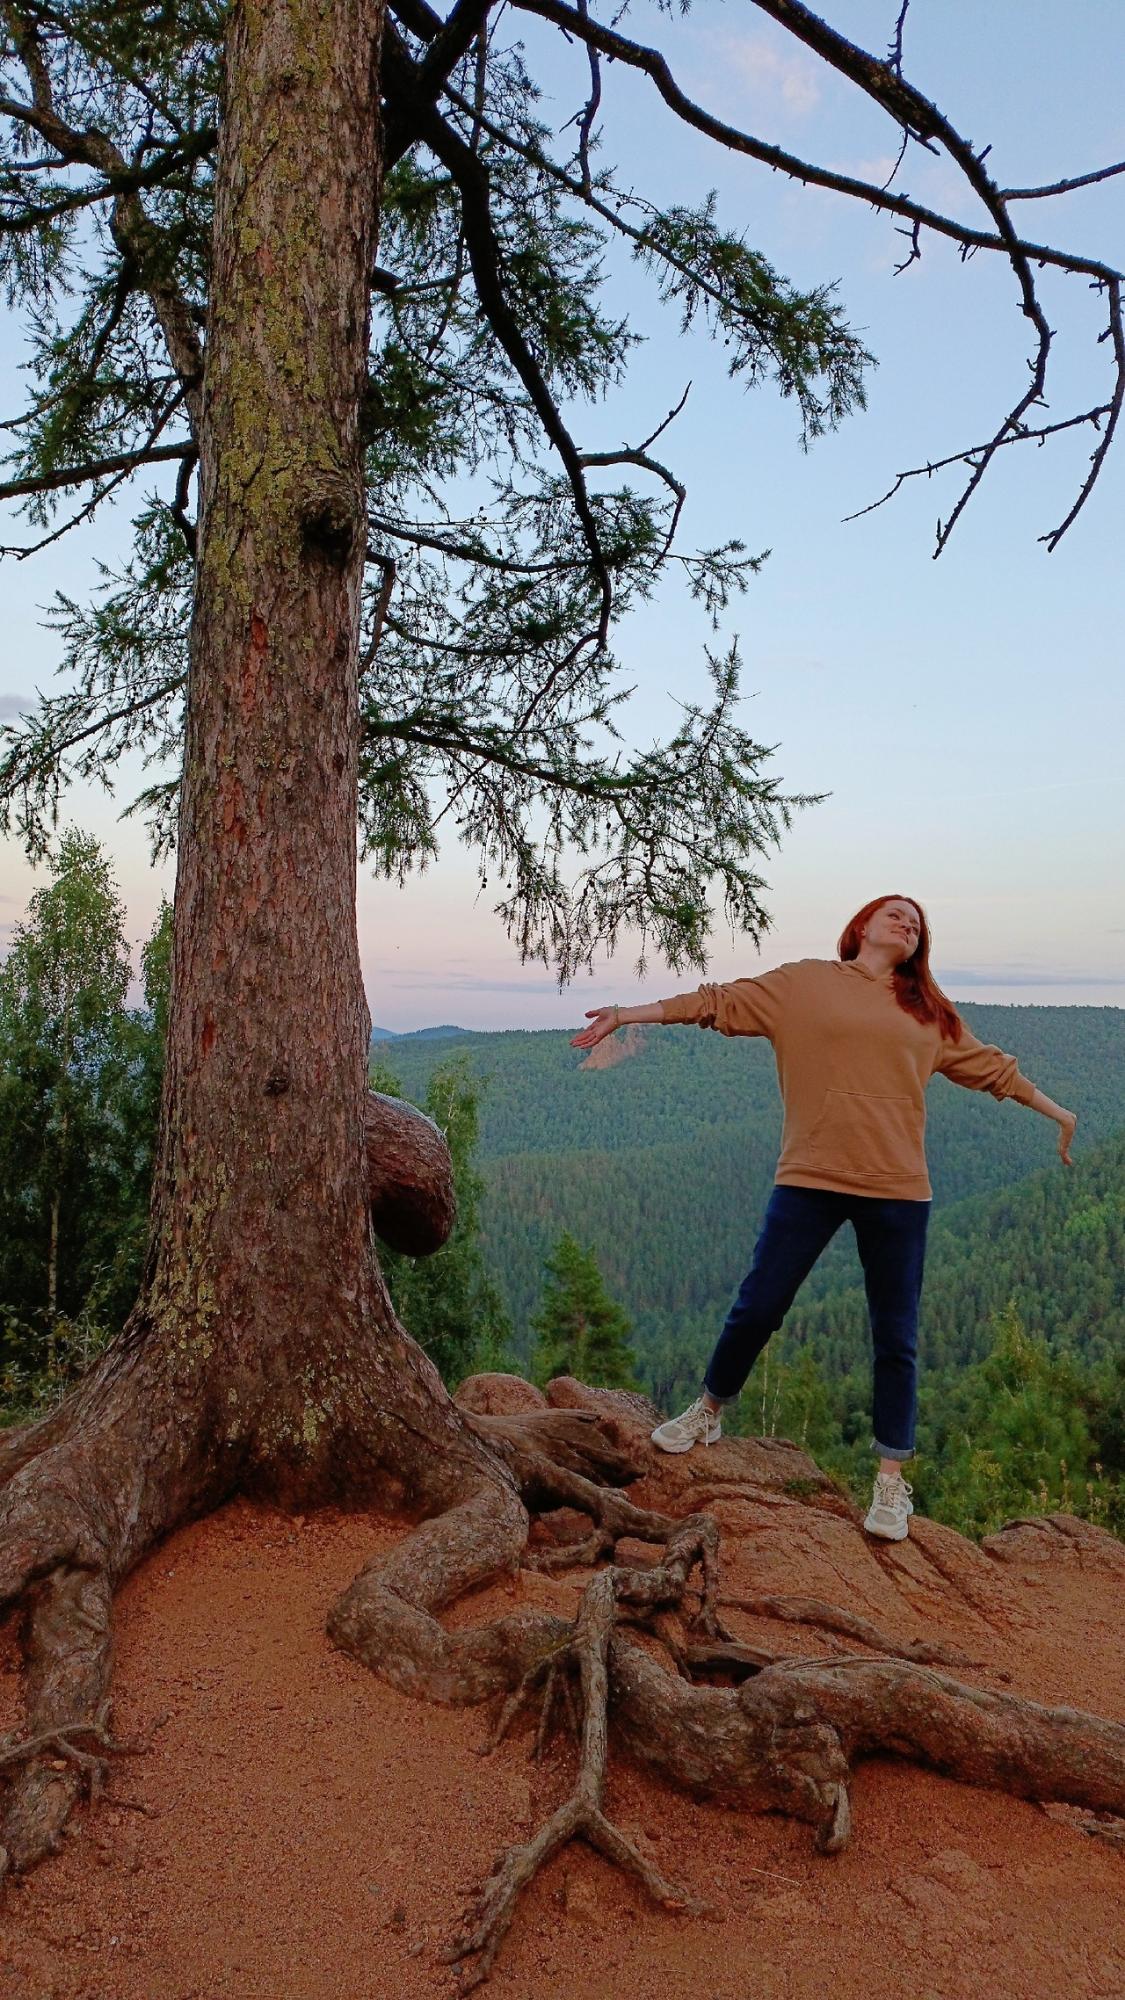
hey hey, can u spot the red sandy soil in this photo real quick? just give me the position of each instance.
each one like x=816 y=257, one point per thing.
x=305 y=1833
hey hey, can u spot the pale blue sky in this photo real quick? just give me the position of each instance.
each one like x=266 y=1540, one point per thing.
x=966 y=716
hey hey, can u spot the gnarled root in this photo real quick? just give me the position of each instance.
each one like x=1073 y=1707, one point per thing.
x=388 y=1617
x=783 y=1740
x=999 y=1741
x=106 y=1483
x=833 y=1618
x=561 y=1458
x=582 y=1816
x=189 y=1404
x=69 y=1656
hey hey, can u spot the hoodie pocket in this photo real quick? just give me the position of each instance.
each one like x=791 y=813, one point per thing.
x=862 y=1138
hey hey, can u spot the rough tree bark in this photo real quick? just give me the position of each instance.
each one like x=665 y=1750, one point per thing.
x=263 y=1355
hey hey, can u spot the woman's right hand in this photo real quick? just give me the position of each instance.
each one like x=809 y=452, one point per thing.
x=603 y=1021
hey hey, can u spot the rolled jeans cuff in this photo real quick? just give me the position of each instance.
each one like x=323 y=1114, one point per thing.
x=724 y=1400
x=892 y=1450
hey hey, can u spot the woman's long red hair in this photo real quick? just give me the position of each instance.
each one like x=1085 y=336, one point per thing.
x=916 y=989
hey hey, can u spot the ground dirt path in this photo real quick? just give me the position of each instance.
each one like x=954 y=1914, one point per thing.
x=307 y=1834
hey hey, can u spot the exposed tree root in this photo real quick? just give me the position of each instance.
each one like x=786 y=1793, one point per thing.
x=542 y=1444
x=61 y=1742
x=581 y=1816
x=1108 y=1826
x=168 y=1425
x=61 y=1752
x=122 y=1469
x=834 y=1618
x=783 y=1740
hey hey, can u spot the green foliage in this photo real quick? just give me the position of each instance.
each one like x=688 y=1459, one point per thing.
x=449 y=1302
x=1011 y=1437
x=580 y=1330
x=156 y=973
x=663 y=1165
x=1022 y=1431
x=36 y=1370
x=493 y=669
x=79 y=1097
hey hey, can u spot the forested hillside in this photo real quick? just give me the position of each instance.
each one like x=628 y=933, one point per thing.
x=540 y=1099
x=663 y=1164
x=1052 y=1247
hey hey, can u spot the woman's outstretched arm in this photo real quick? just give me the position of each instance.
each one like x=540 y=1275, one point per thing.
x=603 y=1021
x=738 y=1007
x=977 y=1066
x=1065 y=1120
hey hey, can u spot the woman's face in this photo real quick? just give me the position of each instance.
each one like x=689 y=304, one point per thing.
x=896 y=926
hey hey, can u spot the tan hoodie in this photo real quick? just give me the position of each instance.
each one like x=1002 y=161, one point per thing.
x=853 y=1070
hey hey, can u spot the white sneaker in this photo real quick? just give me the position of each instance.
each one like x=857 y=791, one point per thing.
x=891 y=1507
x=698 y=1425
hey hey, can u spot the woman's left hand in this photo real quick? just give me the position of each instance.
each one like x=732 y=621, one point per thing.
x=603 y=1021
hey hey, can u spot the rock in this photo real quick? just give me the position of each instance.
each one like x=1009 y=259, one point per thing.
x=497 y=1395
x=628 y=1041
x=1056 y=1538
x=627 y=1405
x=625 y=1417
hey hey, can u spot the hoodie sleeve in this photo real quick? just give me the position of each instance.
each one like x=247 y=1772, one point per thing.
x=742 y=1007
x=978 y=1066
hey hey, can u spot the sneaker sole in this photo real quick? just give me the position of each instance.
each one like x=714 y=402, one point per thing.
x=661 y=1445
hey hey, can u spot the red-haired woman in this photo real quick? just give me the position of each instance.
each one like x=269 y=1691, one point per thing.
x=856 y=1040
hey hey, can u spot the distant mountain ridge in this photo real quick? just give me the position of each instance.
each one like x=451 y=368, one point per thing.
x=443 y=1034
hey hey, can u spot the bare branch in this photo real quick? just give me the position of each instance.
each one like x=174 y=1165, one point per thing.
x=640 y=457
x=179 y=505
x=449 y=41
x=1063 y=187
x=1117 y=335
x=650 y=60
x=382 y=606
x=591 y=107
x=972 y=452
x=453 y=40
x=470 y=552
x=894 y=53
x=883 y=81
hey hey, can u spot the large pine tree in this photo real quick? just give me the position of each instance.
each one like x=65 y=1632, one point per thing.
x=200 y=209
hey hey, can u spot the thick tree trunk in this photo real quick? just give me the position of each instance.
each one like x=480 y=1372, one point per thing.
x=263 y=1353
x=262 y=1164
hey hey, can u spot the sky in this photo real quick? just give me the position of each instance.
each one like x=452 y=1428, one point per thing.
x=965 y=717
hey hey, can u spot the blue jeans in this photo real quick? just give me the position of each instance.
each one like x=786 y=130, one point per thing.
x=891 y=1239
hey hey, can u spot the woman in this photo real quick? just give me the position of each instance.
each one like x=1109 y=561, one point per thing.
x=856 y=1040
